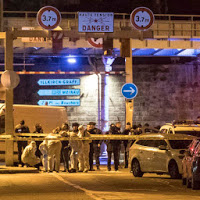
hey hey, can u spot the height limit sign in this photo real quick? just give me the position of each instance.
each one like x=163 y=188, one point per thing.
x=48 y=17
x=142 y=18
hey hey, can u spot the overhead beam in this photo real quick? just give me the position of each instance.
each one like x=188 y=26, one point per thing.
x=125 y=34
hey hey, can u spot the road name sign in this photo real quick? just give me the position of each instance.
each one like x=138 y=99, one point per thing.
x=95 y=22
x=48 y=17
x=129 y=90
x=142 y=18
x=44 y=82
x=66 y=102
x=59 y=92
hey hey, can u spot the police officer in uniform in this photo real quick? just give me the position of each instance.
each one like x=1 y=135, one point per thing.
x=113 y=146
x=21 y=128
x=127 y=131
x=65 y=146
x=95 y=146
x=38 y=129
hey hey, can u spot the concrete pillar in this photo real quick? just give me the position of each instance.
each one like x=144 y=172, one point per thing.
x=129 y=79
x=9 y=121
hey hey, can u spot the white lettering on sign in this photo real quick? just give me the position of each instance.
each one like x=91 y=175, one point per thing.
x=59 y=92
x=95 y=22
x=59 y=82
x=68 y=102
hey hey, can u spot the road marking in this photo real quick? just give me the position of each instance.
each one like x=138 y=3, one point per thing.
x=151 y=190
x=88 y=192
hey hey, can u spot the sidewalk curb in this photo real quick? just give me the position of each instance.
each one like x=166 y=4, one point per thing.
x=17 y=170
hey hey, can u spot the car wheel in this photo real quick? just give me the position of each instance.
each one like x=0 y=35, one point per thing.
x=173 y=170
x=195 y=185
x=184 y=181
x=136 y=169
x=188 y=183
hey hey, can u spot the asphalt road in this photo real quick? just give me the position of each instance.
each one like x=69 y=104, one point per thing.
x=98 y=185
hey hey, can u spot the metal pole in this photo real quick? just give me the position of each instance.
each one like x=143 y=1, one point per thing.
x=129 y=79
x=9 y=121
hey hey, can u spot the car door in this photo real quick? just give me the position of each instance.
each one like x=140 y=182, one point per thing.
x=160 y=157
x=147 y=155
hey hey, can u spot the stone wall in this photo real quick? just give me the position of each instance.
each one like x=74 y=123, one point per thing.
x=166 y=92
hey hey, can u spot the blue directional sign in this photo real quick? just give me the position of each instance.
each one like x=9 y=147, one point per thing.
x=66 y=102
x=129 y=90
x=44 y=82
x=59 y=92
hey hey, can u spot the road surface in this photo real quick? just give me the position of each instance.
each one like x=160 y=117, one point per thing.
x=97 y=185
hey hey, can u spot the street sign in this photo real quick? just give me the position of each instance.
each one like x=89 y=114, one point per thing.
x=66 y=102
x=95 y=22
x=10 y=79
x=142 y=18
x=59 y=92
x=129 y=90
x=96 y=43
x=45 y=82
x=48 y=17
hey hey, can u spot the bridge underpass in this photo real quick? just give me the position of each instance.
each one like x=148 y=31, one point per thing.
x=171 y=36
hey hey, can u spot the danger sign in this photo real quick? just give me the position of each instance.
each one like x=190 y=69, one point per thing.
x=95 y=22
x=142 y=18
x=48 y=17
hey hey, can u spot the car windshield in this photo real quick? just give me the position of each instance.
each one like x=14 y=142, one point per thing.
x=179 y=144
x=194 y=133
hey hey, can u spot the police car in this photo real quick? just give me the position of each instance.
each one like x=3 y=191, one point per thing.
x=158 y=153
x=187 y=127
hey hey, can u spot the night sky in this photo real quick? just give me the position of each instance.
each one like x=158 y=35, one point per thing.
x=117 y=6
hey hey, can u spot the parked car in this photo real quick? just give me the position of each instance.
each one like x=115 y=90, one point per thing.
x=191 y=165
x=158 y=153
x=187 y=127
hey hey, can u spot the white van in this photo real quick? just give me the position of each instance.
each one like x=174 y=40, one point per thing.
x=49 y=117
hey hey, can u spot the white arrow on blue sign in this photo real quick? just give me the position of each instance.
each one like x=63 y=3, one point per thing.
x=129 y=90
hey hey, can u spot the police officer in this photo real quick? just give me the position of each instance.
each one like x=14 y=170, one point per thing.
x=38 y=129
x=113 y=146
x=95 y=146
x=21 y=128
x=75 y=148
x=65 y=146
x=127 y=131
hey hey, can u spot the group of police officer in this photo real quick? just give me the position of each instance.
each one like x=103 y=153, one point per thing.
x=79 y=152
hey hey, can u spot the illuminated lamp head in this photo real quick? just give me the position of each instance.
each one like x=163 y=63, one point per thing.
x=71 y=60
